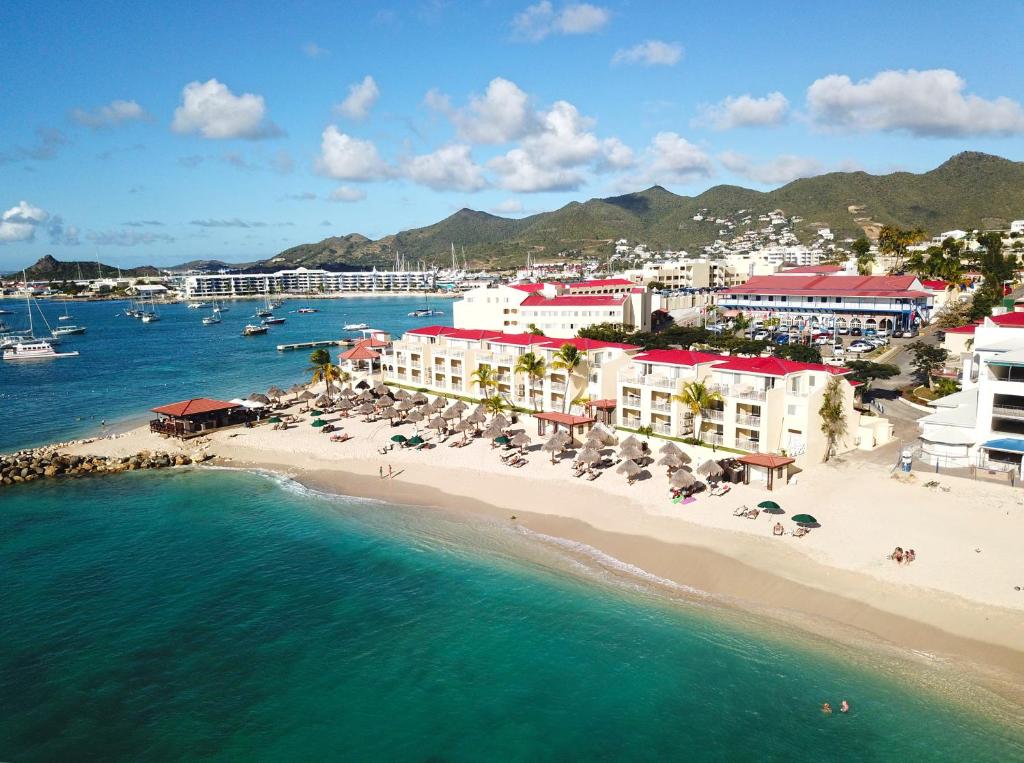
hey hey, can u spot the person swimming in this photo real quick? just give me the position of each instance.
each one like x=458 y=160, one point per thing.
x=844 y=707
x=826 y=709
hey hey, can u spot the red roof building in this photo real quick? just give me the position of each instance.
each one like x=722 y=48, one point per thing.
x=588 y=345
x=194 y=407
x=686 y=358
x=589 y=300
x=774 y=367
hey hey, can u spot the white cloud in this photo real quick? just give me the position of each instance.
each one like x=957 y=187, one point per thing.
x=670 y=158
x=518 y=171
x=450 y=168
x=500 y=115
x=744 y=111
x=508 y=207
x=778 y=171
x=213 y=111
x=313 y=50
x=541 y=20
x=361 y=98
x=346 y=158
x=617 y=155
x=928 y=103
x=563 y=138
x=127 y=238
x=347 y=194
x=650 y=53
x=111 y=115
x=19 y=223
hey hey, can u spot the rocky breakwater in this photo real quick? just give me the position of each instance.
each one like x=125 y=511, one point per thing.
x=40 y=463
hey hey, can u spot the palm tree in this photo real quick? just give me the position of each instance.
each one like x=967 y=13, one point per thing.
x=534 y=367
x=495 y=405
x=894 y=242
x=568 y=359
x=833 y=416
x=581 y=401
x=740 y=324
x=323 y=370
x=485 y=378
x=697 y=397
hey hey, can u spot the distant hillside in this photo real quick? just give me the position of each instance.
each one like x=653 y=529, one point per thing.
x=971 y=190
x=210 y=266
x=49 y=268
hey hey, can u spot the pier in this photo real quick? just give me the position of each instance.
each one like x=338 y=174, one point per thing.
x=312 y=345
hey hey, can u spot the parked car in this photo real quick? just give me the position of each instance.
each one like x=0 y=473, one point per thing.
x=761 y=334
x=837 y=350
x=822 y=340
x=884 y=332
x=870 y=332
x=855 y=331
x=909 y=333
x=844 y=330
x=861 y=346
x=782 y=339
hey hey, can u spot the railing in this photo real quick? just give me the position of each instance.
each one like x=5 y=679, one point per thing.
x=748 y=394
x=997 y=466
x=558 y=386
x=748 y=421
x=627 y=377
x=448 y=352
x=631 y=423
x=504 y=378
x=713 y=414
x=710 y=438
x=631 y=402
x=1012 y=411
x=663 y=407
x=745 y=443
x=662 y=428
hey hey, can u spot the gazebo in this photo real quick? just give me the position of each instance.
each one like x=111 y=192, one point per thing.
x=601 y=409
x=766 y=468
x=194 y=417
x=361 y=357
x=572 y=424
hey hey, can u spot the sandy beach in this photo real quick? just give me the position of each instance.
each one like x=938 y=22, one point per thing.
x=956 y=604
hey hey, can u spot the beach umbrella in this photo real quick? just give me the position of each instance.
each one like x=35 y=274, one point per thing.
x=323 y=401
x=503 y=439
x=631 y=440
x=441 y=400
x=363 y=384
x=588 y=456
x=415 y=440
x=450 y=414
x=521 y=440
x=348 y=392
x=460 y=406
x=710 y=469
x=671 y=460
x=398 y=438
x=670 y=448
x=499 y=420
x=363 y=410
x=256 y=397
x=492 y=432
x=419 y=398
x=390 y=412
x=682 y=479
x=318 y=423
x=630 y=468
x=345 y=405
x=380 y=389
x=274 y=420
x=295 y=389
x=385 y=400
x=404 y=405
x=275 y=392
x=553 y=446
x=307 y=395
x=804 y=519
x=415 y=416
x=365 y=397
x=401 y=395
x=315 y=412
x=477 y=417
x=770 y=507
x=630 y=452
x=437 y=423
x=464 y=426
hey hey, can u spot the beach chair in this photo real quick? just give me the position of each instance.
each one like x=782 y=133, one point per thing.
x=341 y=437
x=752 y=513
x=740 y=511
x=593 y=475
x=800 y=532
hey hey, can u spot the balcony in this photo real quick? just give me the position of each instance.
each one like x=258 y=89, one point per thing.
x=1008 y=411
x=712 y=438
x=557 y=387
x=504 y=378
x=631 y=402
x=752 y=422
x=662 y=407
x=713 y=414
x=665 y=429
x=630 y=423
x=446 y=352
x=745 y=443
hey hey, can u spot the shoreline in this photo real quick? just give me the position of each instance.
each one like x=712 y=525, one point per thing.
x=913 y=613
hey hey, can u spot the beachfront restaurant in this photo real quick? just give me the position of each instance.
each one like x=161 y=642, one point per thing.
x=199 y=415
x=574 y=425
x=766 y=469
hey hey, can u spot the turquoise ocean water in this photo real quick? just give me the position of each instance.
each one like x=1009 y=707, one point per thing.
x=126 y=366
x=221 y=615
x=224 y=615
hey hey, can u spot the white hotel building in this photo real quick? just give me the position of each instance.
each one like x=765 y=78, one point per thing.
x=306 y=281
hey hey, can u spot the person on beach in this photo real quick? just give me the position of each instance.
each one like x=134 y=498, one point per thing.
x=391 y=474
x=844 y=707
x=911 y=556
x=826 y=709
x=382 y=472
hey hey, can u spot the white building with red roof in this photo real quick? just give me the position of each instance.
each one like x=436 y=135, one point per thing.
x=443 y=360
x=556 y=309
x=806 y=301
x=768 y=405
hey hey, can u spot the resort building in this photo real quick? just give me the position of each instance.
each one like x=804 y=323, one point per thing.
x=556 y=309
x=807 y=301
x=768 y=405
x=443 y=360
x=982 y=426
x=306 y=281
x=687 y=274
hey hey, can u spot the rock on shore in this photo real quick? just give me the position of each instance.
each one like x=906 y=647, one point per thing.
x=43 y=463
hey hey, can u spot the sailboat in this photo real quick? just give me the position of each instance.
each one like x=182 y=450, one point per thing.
x=425 y=311
x=212 y=319
x=67 y=329
x=152 y=315
x=66 y=316
x=29 y=347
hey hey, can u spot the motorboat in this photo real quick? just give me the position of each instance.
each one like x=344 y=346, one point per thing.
x=68 y=330
x=271 y=320
x=197 y=305
x=264 y=314
x=355 y=326
x=211 y=320
x=306 y=310
x=253 y=330
x=37 y=349
x=425 y=312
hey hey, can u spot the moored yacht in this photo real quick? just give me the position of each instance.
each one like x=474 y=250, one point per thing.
x=253 y=330
x=36 y=349
x=68 y=330
x=355 y=326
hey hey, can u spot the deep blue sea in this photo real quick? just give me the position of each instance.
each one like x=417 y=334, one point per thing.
x=222 y=615
x=225 y=615
x=126 y=367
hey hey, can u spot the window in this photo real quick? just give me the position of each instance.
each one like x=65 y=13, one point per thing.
x=791 y=410
x=810 y=381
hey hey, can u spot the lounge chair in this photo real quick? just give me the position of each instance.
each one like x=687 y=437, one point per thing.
x=593 y=475
x=752 y=513
x=341 y=437
x=740 y=511
x=800 y=532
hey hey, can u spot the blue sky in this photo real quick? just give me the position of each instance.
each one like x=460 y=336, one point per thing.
x=140 y=133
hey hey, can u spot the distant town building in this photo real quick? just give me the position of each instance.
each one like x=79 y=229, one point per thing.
x=306 y=281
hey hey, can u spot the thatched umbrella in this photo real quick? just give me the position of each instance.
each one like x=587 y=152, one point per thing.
x=499 y=420
x=258 y=397
x=363 y=384
x=345 y=405
x=554 y=445
x=464 y=427
x=441 y=400
x=365 y=396
x=404 y=405
x=461 y=406
x=385 y=400
x=607 y=434
x=492 y=431
x=477 y=417
x=307 y=395
x=710 y=469
x=275 y=392
x=364 y=409
x=388 y=411
x=682 y=479
x=521 y=440
x=419 y=398
x=415 y=417
x=670 y=448
x=401 y=395
x=630 y=468
x=451 y=413
x=671 y=460
x=631 y=440
x=381 y=389
x=322 y=401
x=630 y=452
x=347 y=392
x=295 y=389
x=437 y=423
x=588 y=456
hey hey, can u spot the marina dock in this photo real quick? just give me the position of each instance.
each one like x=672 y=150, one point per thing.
x=312 y=345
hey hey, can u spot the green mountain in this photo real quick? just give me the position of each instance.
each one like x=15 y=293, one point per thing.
x=971 y=190
x=50 y=269
x=210 y=266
